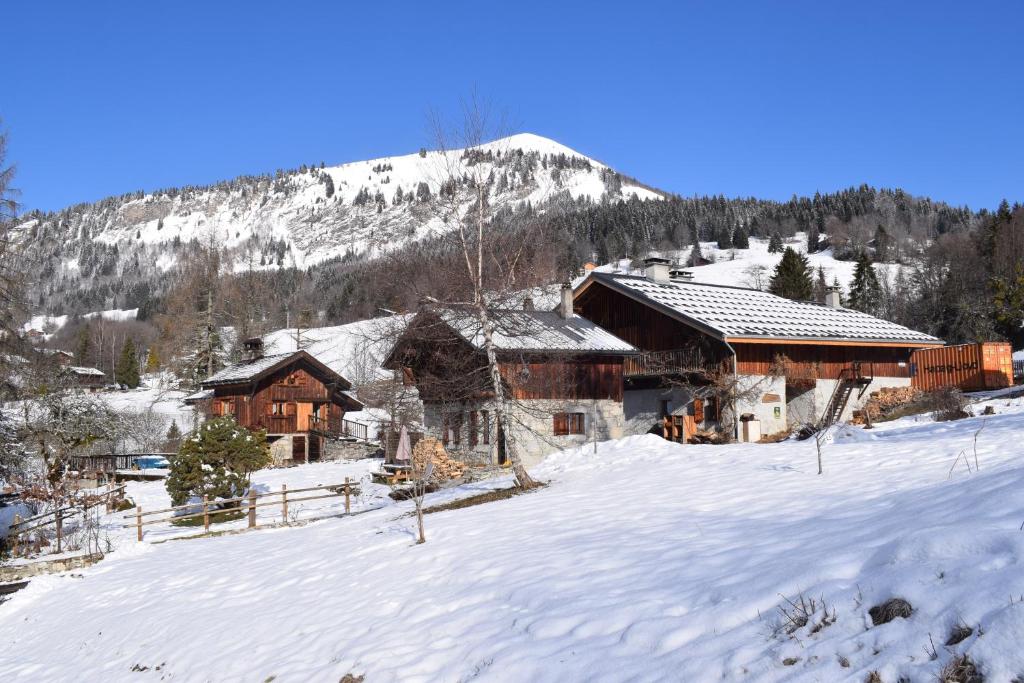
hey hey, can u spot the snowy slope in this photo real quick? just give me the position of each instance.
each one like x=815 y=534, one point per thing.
x=51 y=323
x=753 y=267
x=645 y=561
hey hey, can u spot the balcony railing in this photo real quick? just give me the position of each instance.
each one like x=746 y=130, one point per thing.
x=674 y=361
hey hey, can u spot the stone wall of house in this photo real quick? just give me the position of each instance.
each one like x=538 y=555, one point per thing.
x=824 y=388
x=642 y=408
x=348 y=450
x=281 y=450
x=531 y=428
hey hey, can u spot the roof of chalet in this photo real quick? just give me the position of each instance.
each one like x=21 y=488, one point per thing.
x=540 y=331
x=738 y=313
x=248 y=371
x=85 y=372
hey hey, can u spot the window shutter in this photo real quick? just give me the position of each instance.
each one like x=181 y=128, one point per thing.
x=698 y=410
x=289 y=409
x=561 y=424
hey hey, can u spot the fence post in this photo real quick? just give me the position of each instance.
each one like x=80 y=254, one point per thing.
x=206 y=513
x=17 y=536
x=252 y=508
x=138 y=520
x=284 y=503
x=346 y=496
x=58 y=517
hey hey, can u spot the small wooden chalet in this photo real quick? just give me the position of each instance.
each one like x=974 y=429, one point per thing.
x=298 y=400
x=714 y=355
x=90 y=379
x=561 y=373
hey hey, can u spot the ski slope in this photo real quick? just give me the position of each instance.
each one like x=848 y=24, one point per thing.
x=644 y=561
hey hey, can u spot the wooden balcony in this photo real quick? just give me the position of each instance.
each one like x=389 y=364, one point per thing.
x=671 y=362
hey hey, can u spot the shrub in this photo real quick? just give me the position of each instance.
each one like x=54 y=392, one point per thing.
x=948 y=403
x=217 y=461
x=889 y=610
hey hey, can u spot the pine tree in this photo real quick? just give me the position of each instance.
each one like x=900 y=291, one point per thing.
x=742 y=238
x=83 y=349
x=814 y=235
x=173 y=438
x=217 y=461
x=775 y=245
x=883 y=245
x=724 y=239
x=820 y=286
x=152 y=360
x=1008 y=301
x=696 y=257
x=127 y=369
x=865 y=290
x=792 y=277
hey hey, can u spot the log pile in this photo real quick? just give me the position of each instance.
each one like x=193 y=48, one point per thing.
x=432 y=450
x=884 y=401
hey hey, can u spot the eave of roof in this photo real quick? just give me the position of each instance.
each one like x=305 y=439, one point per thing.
x=286 y=360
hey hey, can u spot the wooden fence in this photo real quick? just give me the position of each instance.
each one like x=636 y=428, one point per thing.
x=1018 y=369
x=57 y=517
x=246 y=504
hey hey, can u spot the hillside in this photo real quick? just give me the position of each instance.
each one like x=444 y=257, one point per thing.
x=643 y=561
x=113 y=249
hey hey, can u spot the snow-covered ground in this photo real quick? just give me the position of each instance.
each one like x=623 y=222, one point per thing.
x=644 y=561
x=51 y=323
x=753 y=267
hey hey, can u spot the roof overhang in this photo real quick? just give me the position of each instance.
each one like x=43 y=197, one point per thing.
x=833 y=341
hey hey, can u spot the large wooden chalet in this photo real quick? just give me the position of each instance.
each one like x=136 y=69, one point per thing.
x=298 y=400
x=782 y=362
x=561 y=373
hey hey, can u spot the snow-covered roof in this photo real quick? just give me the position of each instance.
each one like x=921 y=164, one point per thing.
x=91 y=372
x=736 y=312
x=246 y=370
x=517 y=330
x=201 y=395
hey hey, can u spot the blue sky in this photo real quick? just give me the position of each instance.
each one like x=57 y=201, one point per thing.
x=742 y=99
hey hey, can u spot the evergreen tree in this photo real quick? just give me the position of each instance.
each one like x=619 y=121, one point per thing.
x=792 y=277
x=883 y=245
x=865 y=291
x=217 y=461
x=173 y=438
x=775 y=245
x=1009 y=306
x=83 y=349
x=742 y=238
x=696 y=257
x=724 y=238
x=814 y=235
x=127 y=369
x=152 y=360
x=820 y=286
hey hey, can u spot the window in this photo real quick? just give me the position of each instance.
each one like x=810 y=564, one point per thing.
x=698 y=410
x=277 y=408
x=473 y=424
x=227 y=406
x=568 y=423
x=486 y=431
x=665 y=407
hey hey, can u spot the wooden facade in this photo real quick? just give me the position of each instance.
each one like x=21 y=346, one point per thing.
x=299 y=399
x=820 y=361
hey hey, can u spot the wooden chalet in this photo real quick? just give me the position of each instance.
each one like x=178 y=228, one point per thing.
x=781 y=362
x=563 y=376
x=298 y=400
x=90 y=379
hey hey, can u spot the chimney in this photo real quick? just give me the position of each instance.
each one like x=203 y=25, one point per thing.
x=656 y=269
x=833 y=299
x=681 y=274
x=565 y=304
x=528 y=303
x=254 y=348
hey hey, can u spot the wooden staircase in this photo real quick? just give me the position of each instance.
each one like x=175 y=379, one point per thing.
x=850 y=378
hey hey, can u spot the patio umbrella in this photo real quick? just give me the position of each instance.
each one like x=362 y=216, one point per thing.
x=404 y=452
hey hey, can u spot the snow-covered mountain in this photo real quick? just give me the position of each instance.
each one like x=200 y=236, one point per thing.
x=301 y=217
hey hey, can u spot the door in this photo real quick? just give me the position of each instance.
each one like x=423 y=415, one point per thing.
x=315 y=448
x=304 y=410
x=299 y=449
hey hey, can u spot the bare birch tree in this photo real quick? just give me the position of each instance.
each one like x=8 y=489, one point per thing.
x=489 y=276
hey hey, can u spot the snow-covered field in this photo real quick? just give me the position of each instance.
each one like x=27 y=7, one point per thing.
x=753 y=267
x=646 y=561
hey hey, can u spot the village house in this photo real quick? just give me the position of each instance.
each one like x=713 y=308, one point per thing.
x=299 y=401
x=561 y=373
x=716 y=356
x=79 y=377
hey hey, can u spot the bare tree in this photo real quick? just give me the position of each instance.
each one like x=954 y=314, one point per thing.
x=490 y=275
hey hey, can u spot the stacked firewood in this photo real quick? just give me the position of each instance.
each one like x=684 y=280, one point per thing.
x=432 y=450
x=884 y=400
